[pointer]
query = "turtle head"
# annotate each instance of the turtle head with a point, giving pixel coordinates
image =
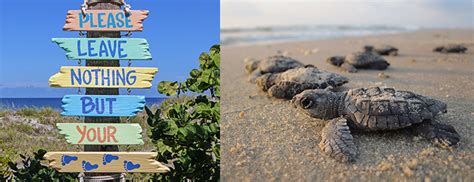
(368, 48)
(316, 103)
(335, 60)
(251, 64)
(265, 81)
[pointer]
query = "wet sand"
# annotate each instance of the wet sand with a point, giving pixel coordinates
(266, 139)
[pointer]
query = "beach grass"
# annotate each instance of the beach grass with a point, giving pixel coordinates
(25, 130)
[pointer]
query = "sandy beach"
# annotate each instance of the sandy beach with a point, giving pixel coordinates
(267, 139)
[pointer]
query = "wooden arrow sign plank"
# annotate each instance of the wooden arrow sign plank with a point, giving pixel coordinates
(104, 48)
(103, 77)
(94, 162)
(102, 105)
(101, 133)
(105, 20)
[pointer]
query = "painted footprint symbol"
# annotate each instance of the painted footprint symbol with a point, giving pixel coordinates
(129, 165)
(66, 159)
(108, 158)
(87, 166)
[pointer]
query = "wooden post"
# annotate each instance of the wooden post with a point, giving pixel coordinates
(105, 5)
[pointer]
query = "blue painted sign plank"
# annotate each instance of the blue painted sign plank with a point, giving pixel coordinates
(102, 105)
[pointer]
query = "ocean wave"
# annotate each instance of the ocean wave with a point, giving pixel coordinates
(253, 35)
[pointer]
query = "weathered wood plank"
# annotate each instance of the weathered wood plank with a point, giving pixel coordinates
(105, 20)
(101, 133)
(105, 162)
(103, 77)
(102, 105)
(105, 48)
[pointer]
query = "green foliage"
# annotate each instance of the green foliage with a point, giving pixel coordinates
(186, 131)
(6, 156)
(205, 78)
(32, 170)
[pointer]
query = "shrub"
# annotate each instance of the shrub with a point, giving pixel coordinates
(186, 131)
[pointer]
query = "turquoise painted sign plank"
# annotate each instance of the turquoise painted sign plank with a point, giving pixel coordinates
(101, 133)
(104, 48)
(102, 105)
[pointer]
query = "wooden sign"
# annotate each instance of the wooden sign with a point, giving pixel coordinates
(101, 133)
(104, 48)
(105, 162)
(102, 105)
(103, 77)
(105, 20)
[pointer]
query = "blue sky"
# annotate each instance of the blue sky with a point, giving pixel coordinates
(177, 31)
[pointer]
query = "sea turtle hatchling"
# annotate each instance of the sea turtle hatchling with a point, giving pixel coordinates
(384, 50)
(293, 81)
(359, 60)
(272, 64)
(373, 109)
(450, 48)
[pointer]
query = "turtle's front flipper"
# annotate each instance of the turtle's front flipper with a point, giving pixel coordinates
(337, 141)
(349, 68)
(440, 134)
(285, 89)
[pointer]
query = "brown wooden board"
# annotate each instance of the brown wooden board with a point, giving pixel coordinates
(105, 20)
(93, 162)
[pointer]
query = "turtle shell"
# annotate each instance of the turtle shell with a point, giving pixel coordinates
(277, 64)
(363, 59)
(386, 108)
(313, 76)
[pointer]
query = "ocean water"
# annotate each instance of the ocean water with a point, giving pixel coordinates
(256, 35)
(17, 103)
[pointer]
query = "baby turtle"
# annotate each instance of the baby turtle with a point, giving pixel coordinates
(384, 50)
(450, 48)
(291, 82)
(363, 60)
(272, 64)
(373, 109)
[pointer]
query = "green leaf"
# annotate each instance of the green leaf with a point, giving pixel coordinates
(149, 112)
(168, 88)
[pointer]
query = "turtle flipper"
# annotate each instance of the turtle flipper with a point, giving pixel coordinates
(440, 134)
(337, 141)
(285, 89)
(252, 78)
(349, 68)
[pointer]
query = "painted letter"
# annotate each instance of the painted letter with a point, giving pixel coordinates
(91, 139)
(111, 100)
(120, 20)
(82, 132)
(127, 22)
(113, 49)
(75, 76)
(99, 16)
(83, 19)
(134, 78)
(79, 53)
(111, 133)
(99, 106)
(101, 140)
(111, 20)
(87, 80)
(103, 49)
(92, 21)
(120, 49)
(87, 102)
(91, 48)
